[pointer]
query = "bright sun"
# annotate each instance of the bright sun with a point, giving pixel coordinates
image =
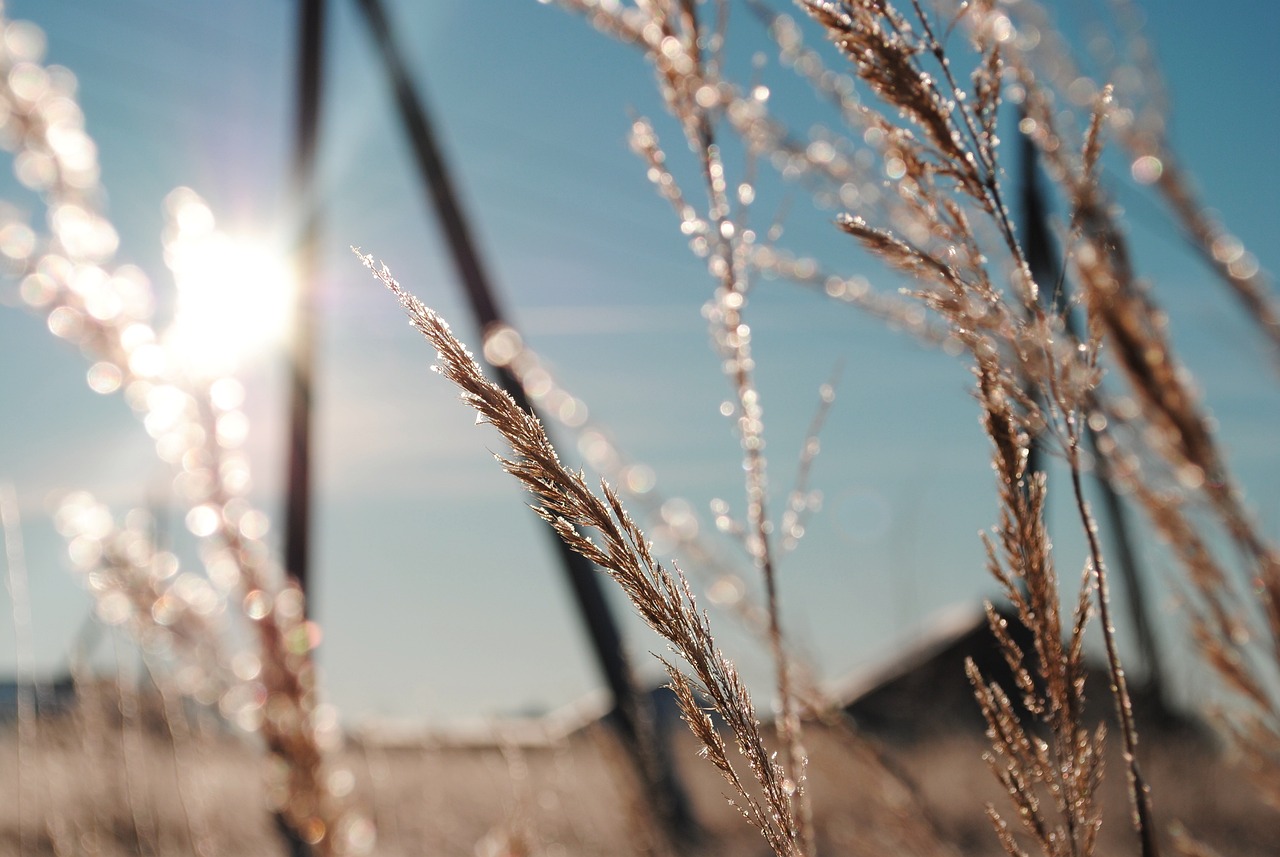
(235, 295)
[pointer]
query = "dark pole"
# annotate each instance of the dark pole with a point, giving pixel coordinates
(1048, 273)
(1038, 246)
(310, 69)
(631, 715)
(301, 354)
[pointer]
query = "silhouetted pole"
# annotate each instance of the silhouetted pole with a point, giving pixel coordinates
(305, 209)
(1048, 273)
(631, 715)
(302, 345)
(1038, 247)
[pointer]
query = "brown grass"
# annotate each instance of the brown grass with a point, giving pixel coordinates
(563, 797)
(945, 229)
(943, 225)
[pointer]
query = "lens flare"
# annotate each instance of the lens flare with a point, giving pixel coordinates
(234, 294)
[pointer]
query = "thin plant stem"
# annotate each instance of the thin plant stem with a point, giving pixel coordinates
(1139, 792)
(20, 603)
(663, 598)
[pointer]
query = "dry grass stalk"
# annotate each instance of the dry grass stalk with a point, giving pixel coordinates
(944, 154)
(724, 586)
(947, 157)
(1231, 633)
(1121, 316)
(1120, 311)
(1069, 766)
(685, 56)
(1141, 127)
(1166, 434)
(138, 586)
(662, 598)
(108, 314)
(666, 518)
(872, 34)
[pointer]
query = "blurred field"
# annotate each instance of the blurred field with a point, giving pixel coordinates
(92, 781)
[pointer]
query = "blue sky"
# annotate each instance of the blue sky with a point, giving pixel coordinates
(436, 588)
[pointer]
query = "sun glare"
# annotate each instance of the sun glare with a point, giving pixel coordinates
(234, 293)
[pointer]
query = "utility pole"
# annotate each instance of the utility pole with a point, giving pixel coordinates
(306, 214)
(631, 717)
(1049, 274)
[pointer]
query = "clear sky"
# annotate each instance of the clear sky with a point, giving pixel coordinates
(437, 591)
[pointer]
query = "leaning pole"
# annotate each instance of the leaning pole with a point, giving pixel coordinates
(631, 716)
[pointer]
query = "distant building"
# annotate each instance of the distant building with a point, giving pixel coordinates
(48, 696)
(922, 691)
